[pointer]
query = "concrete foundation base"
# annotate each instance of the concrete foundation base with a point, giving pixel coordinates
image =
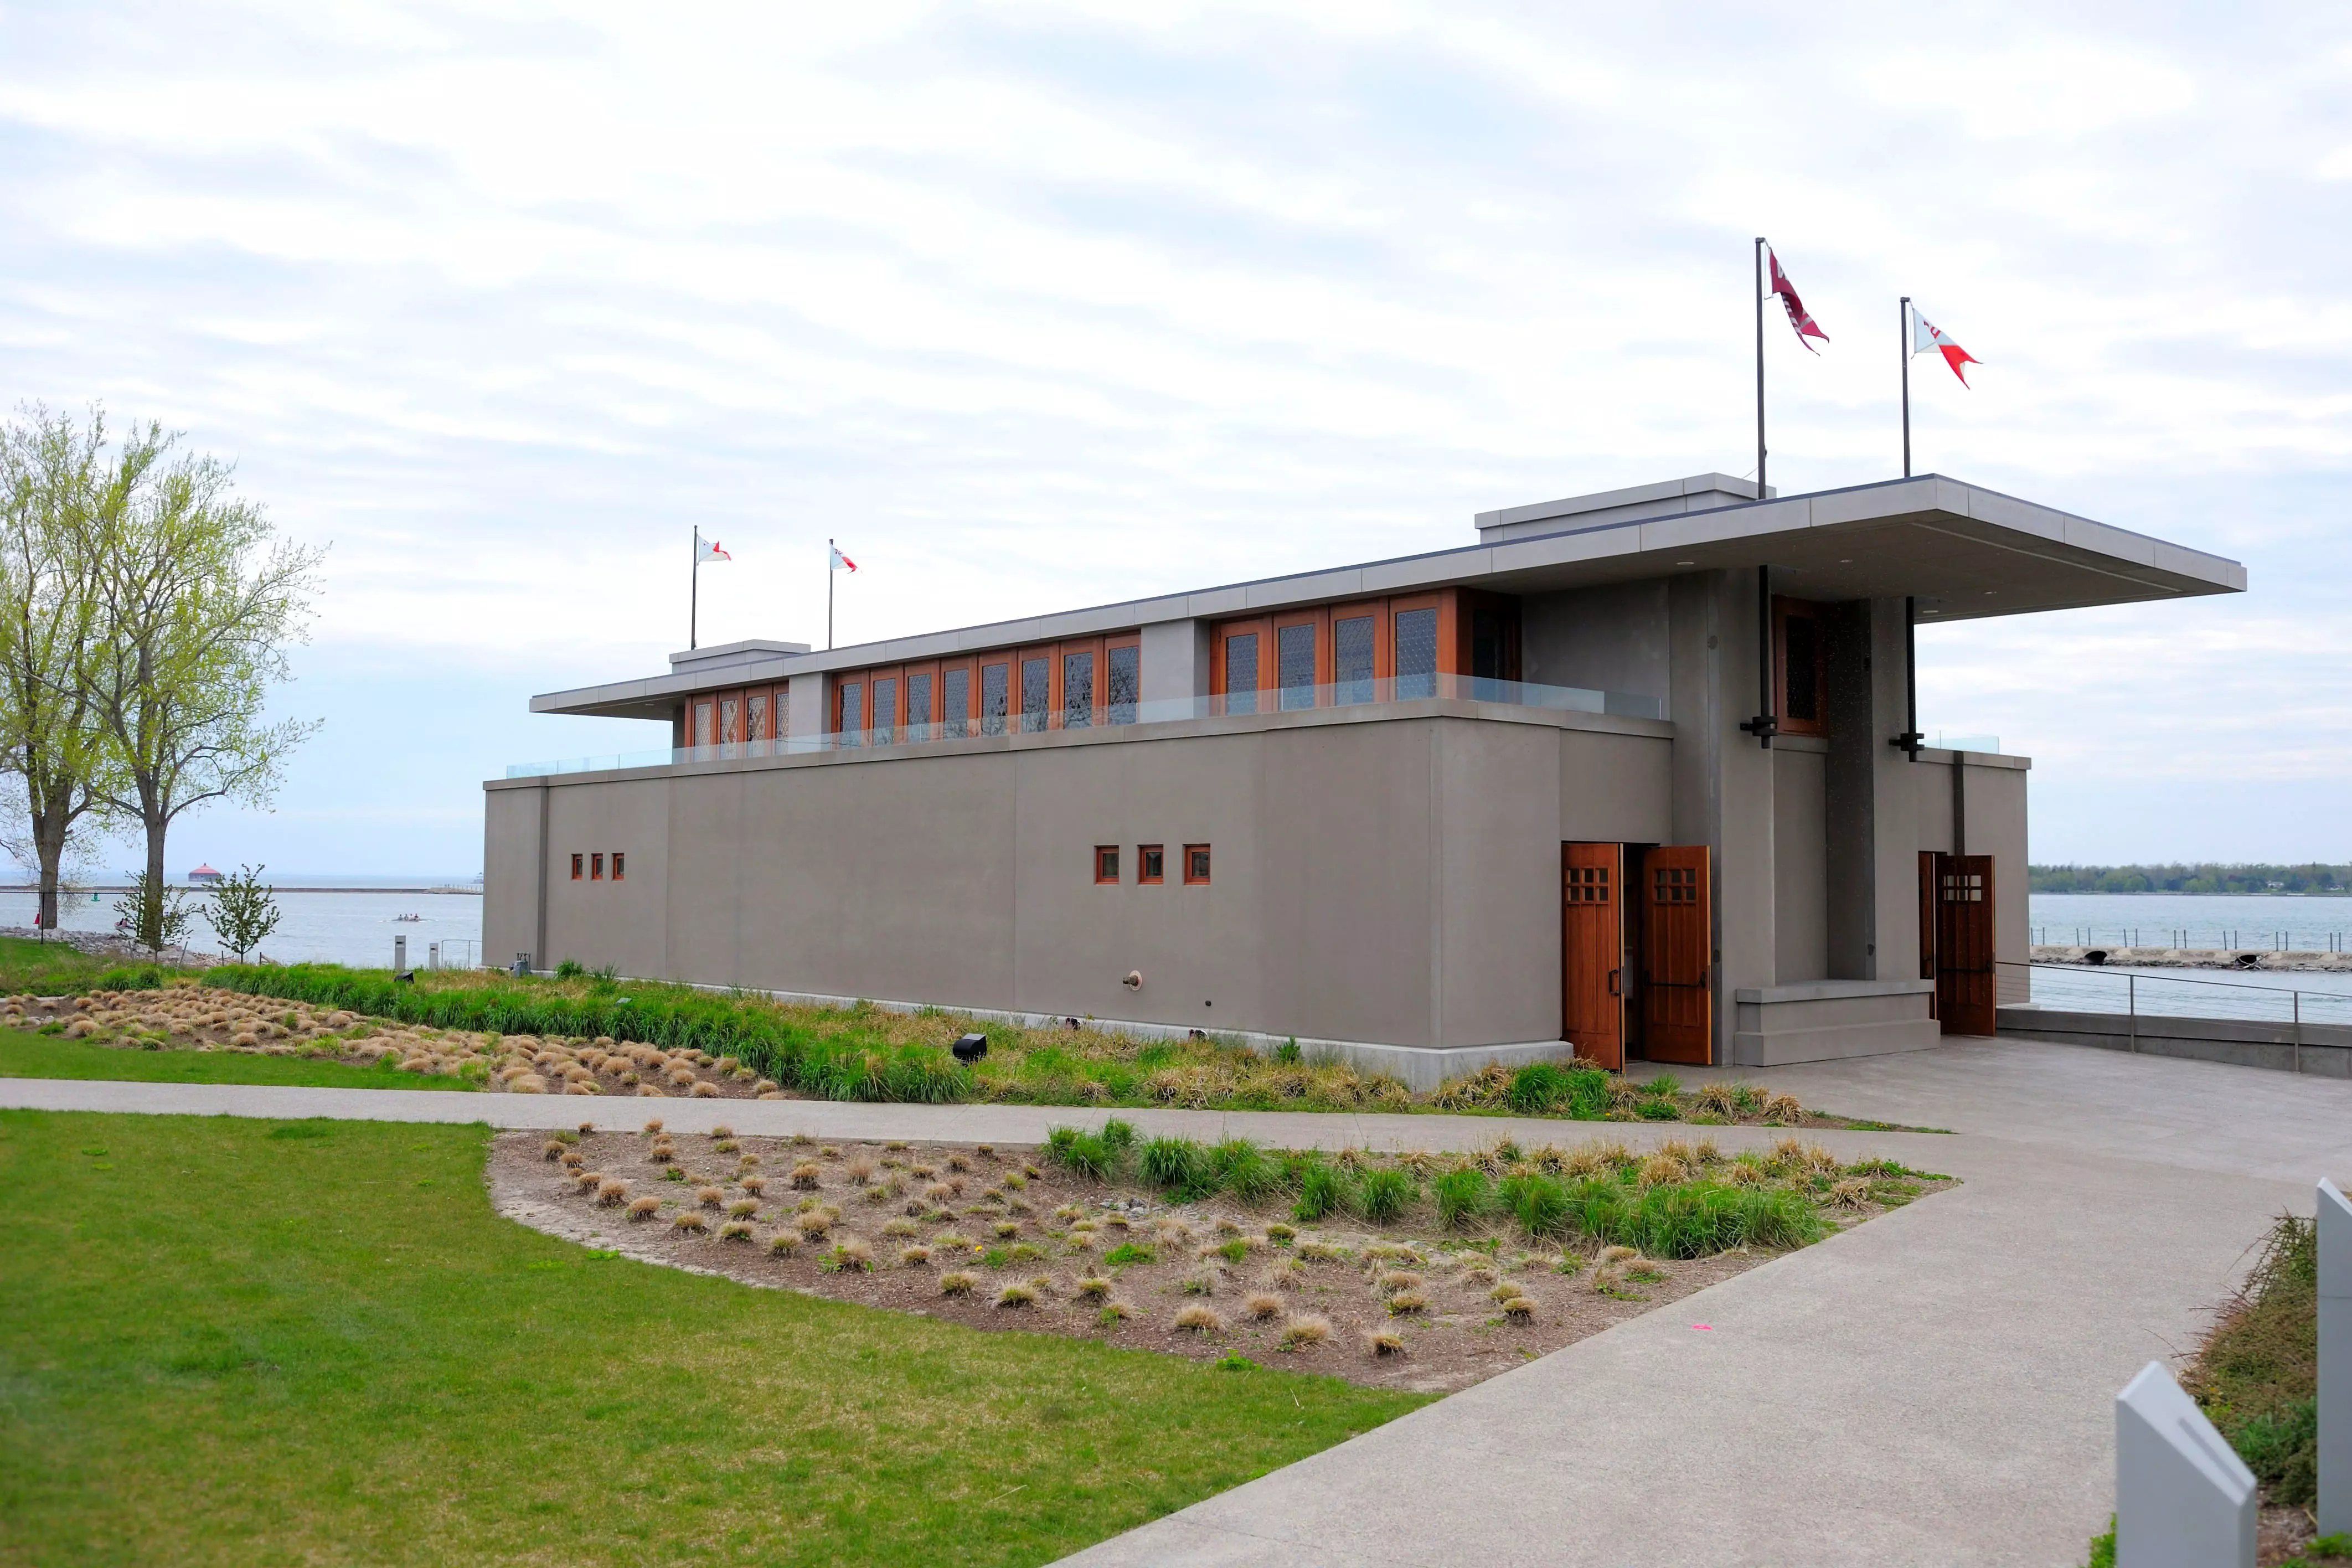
(2317, 1050)
(1825, 1020)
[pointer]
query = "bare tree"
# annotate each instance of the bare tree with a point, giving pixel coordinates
(53, 731)
(200, 600)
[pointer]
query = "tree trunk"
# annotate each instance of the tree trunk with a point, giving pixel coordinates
(49, 849)
(150, 915)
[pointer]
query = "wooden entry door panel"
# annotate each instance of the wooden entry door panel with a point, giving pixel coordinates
(1967, 985)
(1592, 951)
(1677, 955)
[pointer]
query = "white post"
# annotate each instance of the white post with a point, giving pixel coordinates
(399, 954)
(2183, 1498)
(2335, 1359)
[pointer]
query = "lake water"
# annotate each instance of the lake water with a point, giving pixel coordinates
(339, 927)
(2244, 922)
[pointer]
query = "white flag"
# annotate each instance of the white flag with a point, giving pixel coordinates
(842, 562)
(707, 550)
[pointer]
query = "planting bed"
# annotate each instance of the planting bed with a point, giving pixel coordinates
(1450, 1285)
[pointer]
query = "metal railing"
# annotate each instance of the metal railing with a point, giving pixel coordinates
(2133, 995)
(2225, 939)
(1167, 711)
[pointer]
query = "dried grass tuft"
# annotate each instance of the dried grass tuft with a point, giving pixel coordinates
(1310, 1330)
(1017, 1295)
(914, 1256)
(653, 1126)
(805, 1176)
(703, 1091)
(1408, 1301)
(1264, 1305)
(1851, 1192)
(1199, 1319)
(958, 1282)
(710, 1197)
(691, 1222)
(556, 1149)
(644, 1208)
(735, 1230)
(1520, 1309)
(859, 1170)
(1379, 1342)
(610, 1194)
(814, 1223)
(1403, 1280)
(1095, 1287)
(782, 1244)
(743, 1208)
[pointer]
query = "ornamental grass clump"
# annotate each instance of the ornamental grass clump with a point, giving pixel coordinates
(1199, 1319)
(1463, 1197)
(1176, 1165)
(2256, 1374)
(1323, 1189)
(958, 1282)
(1017, 1295)
(644, 1208)
(691, 1222)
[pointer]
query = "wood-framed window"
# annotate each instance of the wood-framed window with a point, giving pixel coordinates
(882, 705)
(1106, 865)
(1361, 653)
(995, 710)
(577, 861)
(620, 866)
(597, 866)
(1800, 667)
(705, 724)
(1196, 864)
(1302, 661)
(849, 710)
(1078, 702)
(756, 727)
(730, 718)
(1422, 636)
(957, 713)
(1122, 679)
(920, 713)
(1151, 865)
(1241, 665)
(1033, 697)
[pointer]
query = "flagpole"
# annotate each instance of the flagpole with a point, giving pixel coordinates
(830, 550)
(694, 590)
(1903, 336)
(1759, 367)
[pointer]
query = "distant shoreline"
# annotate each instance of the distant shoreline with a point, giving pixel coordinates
(197, 887)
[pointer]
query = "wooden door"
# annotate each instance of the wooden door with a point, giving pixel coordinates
(1966, 986)
(1592, 951)
(1677, 956)
(1928, 858)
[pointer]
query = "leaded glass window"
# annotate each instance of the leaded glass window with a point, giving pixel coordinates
(853, 711)
(1037, 686)
(995, 697)
(1416, 654)
(1295, 648)
(1241, 673)
(918, 707)
(886, 710)
(1125, 685)
(1351, 659)
(955, 704)
(1078, 691)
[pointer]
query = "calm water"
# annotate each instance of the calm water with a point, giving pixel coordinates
(2209, 920)
(338, 927)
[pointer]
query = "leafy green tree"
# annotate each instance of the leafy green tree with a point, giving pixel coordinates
(200, 600)
(243, 913)
(53, 731)
(157, 917)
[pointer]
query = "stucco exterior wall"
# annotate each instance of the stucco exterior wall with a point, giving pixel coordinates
(1800, 913)
(1391, 881)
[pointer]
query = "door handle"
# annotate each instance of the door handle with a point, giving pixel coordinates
(1615, 988)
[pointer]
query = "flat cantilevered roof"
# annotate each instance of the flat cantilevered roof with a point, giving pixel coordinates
(1965, 552)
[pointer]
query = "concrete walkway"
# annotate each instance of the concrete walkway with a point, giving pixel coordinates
(1932, 1388)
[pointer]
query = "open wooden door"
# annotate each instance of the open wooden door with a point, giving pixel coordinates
(1678, 954)
(1592, 951)
(1928, 858)
(1966, 981)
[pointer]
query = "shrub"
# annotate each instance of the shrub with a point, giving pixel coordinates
(1177, 1165)
(2257, 1372)
(1322, 1190)
(1539, 1202)
(1462, 1196)
(1243, 1170)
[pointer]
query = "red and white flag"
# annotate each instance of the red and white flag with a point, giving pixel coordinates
(707, 550)
(842, 562)
(1928, 338)
(1800, 319)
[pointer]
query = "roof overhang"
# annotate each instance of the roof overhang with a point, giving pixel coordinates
(1964, 552)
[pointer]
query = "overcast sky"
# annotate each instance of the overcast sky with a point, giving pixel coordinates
(1037, 306)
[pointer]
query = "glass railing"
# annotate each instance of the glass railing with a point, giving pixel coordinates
(1169, 711)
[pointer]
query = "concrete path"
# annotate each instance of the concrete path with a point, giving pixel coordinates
(1932, 1388)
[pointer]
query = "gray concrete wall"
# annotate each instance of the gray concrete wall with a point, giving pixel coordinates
(2317, 1050)
(1995, 793)
(1386, 880)
(1800, 910)
(513, 860)
(1604, 640)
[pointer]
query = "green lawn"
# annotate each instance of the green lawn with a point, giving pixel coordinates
(231, 1340)
(24, 1054)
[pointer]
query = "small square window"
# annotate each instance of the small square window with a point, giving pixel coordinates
(1196, 864)
(595, 867)
(1151, 863)
(617, 864)
(1105, 864)
(577, 861)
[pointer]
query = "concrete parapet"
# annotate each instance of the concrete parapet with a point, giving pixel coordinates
(1825, 1020)
(2317, 1050)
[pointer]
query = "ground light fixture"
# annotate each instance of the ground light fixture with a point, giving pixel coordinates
(970, 1048)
